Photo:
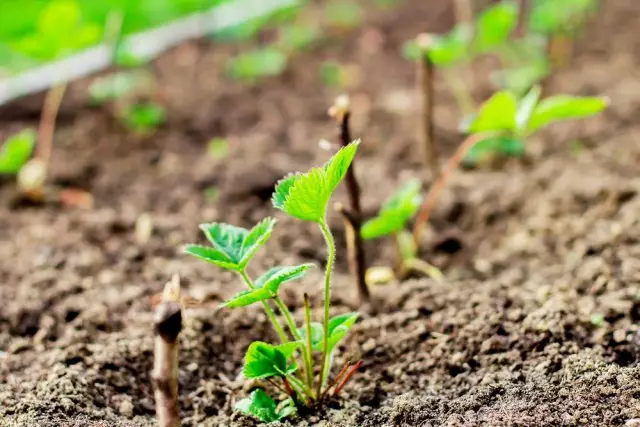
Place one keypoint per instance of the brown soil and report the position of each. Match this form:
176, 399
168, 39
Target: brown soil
536, 324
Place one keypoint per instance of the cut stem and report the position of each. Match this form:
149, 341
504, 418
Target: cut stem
331, 247
167, 325
355, 246
439, 184
427, 102
267, 308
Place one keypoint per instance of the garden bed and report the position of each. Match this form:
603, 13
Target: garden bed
536, 324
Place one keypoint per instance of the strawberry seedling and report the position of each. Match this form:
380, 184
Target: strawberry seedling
304, 196
392, 220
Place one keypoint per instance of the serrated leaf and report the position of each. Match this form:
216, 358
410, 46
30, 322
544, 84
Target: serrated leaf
16, 151
276, 276
336, 168
526, 108
494, 25
212, 255
496, 114
260, 405
395, 213
287, 349
264, 360
317, 334
339, 326
305, 195
233, 247
451, 48
564, 107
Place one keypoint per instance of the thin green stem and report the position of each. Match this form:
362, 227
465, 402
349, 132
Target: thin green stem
306, 352
331, 247
267, 308
307, 321
299, 386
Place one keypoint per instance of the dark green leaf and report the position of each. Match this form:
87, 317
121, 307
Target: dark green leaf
16, 151
395, 213
494, 25
264, 360
496, 114
564, 107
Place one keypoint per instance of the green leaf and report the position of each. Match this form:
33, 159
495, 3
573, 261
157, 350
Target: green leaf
264, 360
252, 65
411, 50
451, 48
289, 348
520, 79
552, 16
305, 195
260, 405
298, 37
317, 334
248, 297
496, 114
233, 247
16, 151
218, 148
564, 107
395, 213
339, 326
494, 25
526, 107
336, 168
144, 117
332, 74
276, 276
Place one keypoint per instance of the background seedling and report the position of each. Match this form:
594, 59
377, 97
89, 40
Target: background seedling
16, 151
392, 220
218, 148
513, 121
343, 14
304, 196
250, 66
143, 117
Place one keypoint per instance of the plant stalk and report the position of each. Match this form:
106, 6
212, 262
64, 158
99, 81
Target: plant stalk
355, 246
426, 73
167, 325
267, 308
331, 247
47, 127
309, 343
438, 185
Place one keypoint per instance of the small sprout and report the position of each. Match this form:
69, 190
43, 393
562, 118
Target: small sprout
255, 64
16, 151
144, 117
296, 37
395, 213
343, 14
452, 48
261, 406
511, 121
218, 148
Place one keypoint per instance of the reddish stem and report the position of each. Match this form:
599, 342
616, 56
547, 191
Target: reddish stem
288, 387
438, 185
347, 377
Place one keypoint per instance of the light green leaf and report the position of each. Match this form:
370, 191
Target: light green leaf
305, 195
336, 168
317, 334
553, 16
276, 276
564, 107
248, 297
298, 37
252, 65
218, 148
526, 107
15, 151
451, 48
343, 13
496, 114
494, 25
144, 117
264, 360
289, 348
59, 18
395, 213
260, 405
233, 247
212, 255
339, 326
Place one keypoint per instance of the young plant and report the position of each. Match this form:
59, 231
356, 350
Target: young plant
512, 121
392, 220
304, 196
